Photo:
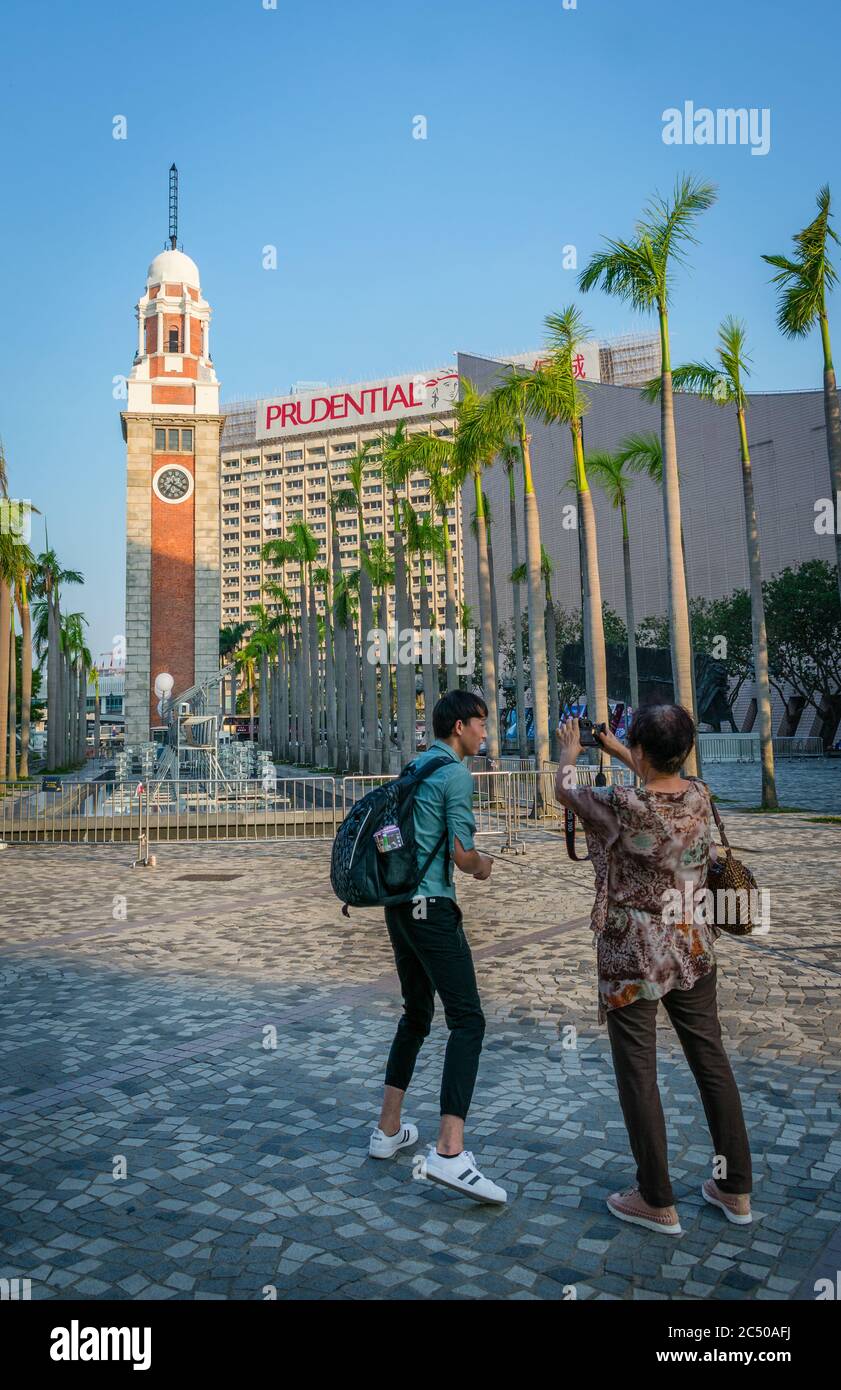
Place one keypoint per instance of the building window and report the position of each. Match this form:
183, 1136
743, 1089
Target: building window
187, 441
173, 340
173, 441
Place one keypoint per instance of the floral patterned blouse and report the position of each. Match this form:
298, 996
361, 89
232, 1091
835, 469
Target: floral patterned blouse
646, 847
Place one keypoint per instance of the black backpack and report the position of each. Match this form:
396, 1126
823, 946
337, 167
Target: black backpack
362, 875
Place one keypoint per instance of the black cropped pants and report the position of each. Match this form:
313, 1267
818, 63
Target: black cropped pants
432, 956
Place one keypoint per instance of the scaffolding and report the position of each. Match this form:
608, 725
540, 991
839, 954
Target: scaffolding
630, 360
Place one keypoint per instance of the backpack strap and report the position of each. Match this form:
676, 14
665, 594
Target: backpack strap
434, 765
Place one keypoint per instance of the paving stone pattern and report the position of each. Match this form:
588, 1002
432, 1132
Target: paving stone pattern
226, 1043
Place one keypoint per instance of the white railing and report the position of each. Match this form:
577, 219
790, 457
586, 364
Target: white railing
744, 748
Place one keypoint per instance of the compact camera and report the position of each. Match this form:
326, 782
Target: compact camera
588, 732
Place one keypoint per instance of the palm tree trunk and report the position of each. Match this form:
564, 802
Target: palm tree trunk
369, 669
354, 698
630, 619
489, 677
305, 693
494, 608
25, 681
700, 771
315, 677
340, 643
760, 639
593, 618
832, 416
13, 696
427, 664
52, 687
522, 732
97, 729
405, 674
552, 658
330, 685
250, 706
450, 605
537, 640
265, 716
5, 627
83, 712
386, 694
65, 709
678, 602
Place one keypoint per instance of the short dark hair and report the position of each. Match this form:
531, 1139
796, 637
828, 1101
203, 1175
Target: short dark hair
454, 706
665, 733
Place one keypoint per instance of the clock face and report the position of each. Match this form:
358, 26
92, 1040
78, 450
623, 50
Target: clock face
172, 484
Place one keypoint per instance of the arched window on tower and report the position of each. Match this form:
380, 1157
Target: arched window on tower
173, 341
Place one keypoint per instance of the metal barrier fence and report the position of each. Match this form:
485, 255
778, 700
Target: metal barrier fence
495, 810
744, 748
299, 808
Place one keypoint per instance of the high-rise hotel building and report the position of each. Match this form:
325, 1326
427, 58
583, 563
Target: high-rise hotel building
276, 458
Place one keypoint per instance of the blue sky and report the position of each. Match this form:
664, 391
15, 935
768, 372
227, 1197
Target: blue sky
293, 127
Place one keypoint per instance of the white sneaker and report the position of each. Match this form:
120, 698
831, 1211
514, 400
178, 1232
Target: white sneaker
387, 1145
461, 1174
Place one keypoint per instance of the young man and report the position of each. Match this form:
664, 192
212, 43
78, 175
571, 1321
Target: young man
432, 955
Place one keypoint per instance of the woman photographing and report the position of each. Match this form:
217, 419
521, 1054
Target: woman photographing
650, 847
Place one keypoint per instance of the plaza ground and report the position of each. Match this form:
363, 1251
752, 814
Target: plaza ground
228, 1039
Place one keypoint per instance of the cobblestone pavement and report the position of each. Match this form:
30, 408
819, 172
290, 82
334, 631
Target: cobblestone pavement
228, 1040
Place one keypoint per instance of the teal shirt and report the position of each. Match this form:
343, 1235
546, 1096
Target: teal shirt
443, 801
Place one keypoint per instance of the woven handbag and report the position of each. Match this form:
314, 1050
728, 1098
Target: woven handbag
729, 874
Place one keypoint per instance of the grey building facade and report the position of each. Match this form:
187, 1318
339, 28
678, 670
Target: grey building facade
791, 472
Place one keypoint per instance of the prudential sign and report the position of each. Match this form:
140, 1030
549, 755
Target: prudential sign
368, 403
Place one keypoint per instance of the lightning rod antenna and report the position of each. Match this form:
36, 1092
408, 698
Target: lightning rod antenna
173, 207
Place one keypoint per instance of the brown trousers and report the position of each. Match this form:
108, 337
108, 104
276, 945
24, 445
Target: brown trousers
633, 1042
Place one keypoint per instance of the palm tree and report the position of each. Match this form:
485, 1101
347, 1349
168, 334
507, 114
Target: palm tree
639, 271
263, 627
229, 639
610, 473
246, 659
500, 417
26, 570
518, 576
301, 546
280, 689
433, 455
395, 474
356, 475
50, 577
724, 384
347, 614
509, 457
381, 570
474, 527
321, 578
555, 387
643, 453
343, 500
804, 281
424, 537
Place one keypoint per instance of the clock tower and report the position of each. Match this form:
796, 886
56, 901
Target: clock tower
172, 428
